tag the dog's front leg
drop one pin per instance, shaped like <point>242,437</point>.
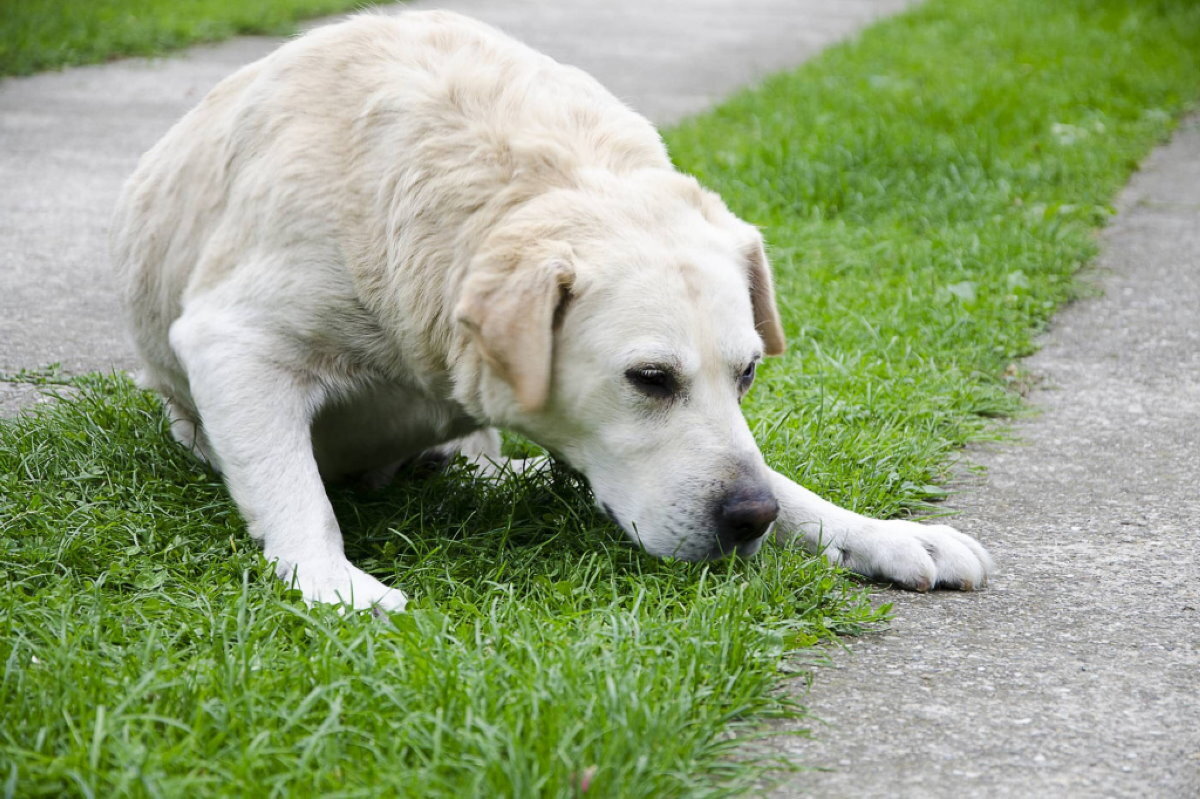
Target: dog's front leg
<point>257,415</point>
<point>911,555</point>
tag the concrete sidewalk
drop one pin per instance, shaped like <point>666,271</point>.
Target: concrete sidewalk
<point>1077,672</point>
<point>69,139</point>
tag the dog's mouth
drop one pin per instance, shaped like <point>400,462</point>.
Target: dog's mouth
<point>745,549</point>
<point>691,547</point>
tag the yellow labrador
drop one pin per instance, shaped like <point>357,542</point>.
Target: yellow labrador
<point>399,233</point>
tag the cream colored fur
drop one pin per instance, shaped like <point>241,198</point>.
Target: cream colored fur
<point>397,233</point>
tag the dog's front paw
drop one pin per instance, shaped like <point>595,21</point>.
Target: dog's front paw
<point>343,583</point>
<point>914,556</point>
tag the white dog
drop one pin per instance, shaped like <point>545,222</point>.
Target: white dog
<point>399,233</point>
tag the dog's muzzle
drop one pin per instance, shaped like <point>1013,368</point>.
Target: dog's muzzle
<point>743,516</point>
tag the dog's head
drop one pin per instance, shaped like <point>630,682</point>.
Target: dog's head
<point>619,325</point>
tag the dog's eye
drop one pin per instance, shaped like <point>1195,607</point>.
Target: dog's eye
<point>653,382</point>
<point>747,377</point>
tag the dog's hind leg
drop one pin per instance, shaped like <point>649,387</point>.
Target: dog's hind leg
<point>186,429</point>
<point>257,414</point>
<point>481,451</point>
<point>911,555</point>
<point>481,447</point>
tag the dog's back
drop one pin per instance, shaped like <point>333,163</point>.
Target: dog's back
<point>366,153</point>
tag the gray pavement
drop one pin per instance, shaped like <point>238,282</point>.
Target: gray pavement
<point>1074,673</point>
<point>69,139</point>
<point>1077,672</point>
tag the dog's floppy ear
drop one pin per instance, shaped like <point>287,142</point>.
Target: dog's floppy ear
<point>754,256</point>
<point>762,297</point>
<point>509,306</point>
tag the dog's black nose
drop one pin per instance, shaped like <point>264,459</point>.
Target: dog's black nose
<point>744,515</point>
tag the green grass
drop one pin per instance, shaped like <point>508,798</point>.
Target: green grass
<point>928,191</point>
<point>45,34</point>
<point>147,650</point>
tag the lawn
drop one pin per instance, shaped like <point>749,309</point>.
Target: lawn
<point>928,191</point>
<point>45,34</point>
